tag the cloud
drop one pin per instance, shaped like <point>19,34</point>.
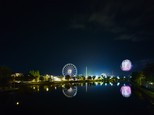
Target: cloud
<point>129,37</point>
<point>125,20</point>
<point>136,37</point>
<point>105,16</point>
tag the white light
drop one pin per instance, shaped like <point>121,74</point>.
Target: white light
<point>17,103</point>
<point>104,75</point>
<point>47,89</point>
<point>63,85</point>
<point>69,71</point>
<point>118,77</point>
<point>96,77</point>
<point>118,83</point>
<point>105,84</point>
<point>55,87</point>
<point>96,83</point>
<point>111,84</point>
<point>101,83</point>
<point>151,83</point>
<point>70,89</point>
<point>56,79</point>
<point>70,92</point>
<point>126,65</point>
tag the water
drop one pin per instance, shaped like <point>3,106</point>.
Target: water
<point>83,98</point>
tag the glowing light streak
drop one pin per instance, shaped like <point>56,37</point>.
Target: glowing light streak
<point>118,83</point>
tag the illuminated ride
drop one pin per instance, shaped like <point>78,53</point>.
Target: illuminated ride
<point>69,69</point>
<point>104,75</point>
<point>126,65</point>
<point>69,91</point>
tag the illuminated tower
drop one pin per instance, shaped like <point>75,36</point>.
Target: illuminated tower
<point>86,73</point>
<point>86,79</point>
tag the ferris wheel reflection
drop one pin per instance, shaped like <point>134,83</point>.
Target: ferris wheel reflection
<point>69,91</point>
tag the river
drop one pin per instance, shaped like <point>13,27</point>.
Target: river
<point>80,98</point>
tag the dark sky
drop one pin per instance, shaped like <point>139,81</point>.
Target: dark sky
<point>98,34</point>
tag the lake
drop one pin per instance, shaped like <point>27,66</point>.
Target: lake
<point>78,98</point>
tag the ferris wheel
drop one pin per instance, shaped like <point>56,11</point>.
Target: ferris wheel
<point>69,69</point>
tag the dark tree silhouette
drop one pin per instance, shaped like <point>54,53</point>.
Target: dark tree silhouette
<point>148,71</point>
<point>67,77</point>
<point>94,77</point>
<point>89,77</point>
<point>5,75</point>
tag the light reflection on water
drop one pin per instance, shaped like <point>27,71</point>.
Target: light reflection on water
<point>73,95</point>
<point>126,91</point>
<point>69,91</point>
<point>72,87</point>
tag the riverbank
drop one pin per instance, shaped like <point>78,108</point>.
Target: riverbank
<point>56,82</point>
<point>148,94</point>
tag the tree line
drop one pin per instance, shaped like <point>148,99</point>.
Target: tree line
<point>145,75</point>
<point>6,78</point>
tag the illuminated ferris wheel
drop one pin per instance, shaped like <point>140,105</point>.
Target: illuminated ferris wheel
<point>69,69</point>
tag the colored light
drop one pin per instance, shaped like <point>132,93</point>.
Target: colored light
<point>125,91</point>
<point>126,65</point>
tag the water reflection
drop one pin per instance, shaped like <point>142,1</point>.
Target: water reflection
<point>48,88</point>
<point>17,103</point>
<point>126,91</point>
<point>9,98</point>
<point>66,95</point>
<point>69,91</point>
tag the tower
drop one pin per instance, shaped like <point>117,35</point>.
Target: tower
<point>86,73</point>
<point>86,79</point>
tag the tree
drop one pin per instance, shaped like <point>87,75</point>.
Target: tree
<point>148,71</point>
<point>67,77</point>
<point>137,77</point>
<point>89,77</point>
<point>99,77</point>
<point>83,77</point>
<point>5,75</point>
<point>35,75</point>
<point>94,77</point>
<point>78,77</point>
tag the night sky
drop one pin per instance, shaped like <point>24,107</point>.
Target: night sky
<point>98,34</point>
